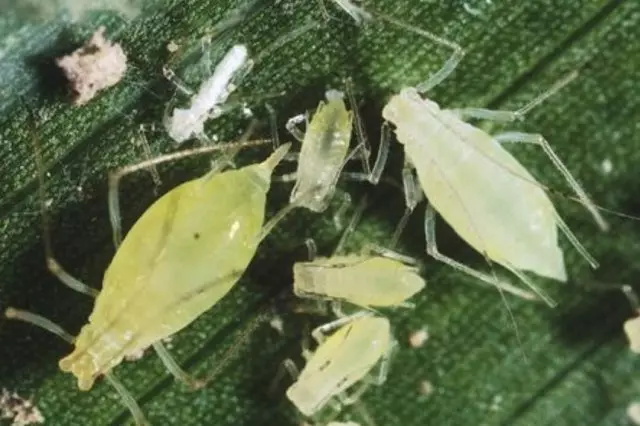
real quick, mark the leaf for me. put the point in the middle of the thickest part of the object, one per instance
(569, 365)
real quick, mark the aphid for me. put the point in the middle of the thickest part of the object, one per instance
(348, 356)
(209, 101)
(383, 279)
(476, 185)
(632, 325)
(185, 237)
(325, 151)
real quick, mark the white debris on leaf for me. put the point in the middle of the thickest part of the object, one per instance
(418, 338)
(20, 410)
(97, 65)
(426, 388)
(633, 412)
(607, 166)
(632, 330)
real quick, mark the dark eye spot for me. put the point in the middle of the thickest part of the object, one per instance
(196, 236)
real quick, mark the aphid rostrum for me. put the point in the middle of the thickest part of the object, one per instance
(184, 237)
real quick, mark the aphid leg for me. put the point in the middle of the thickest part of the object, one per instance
(52, 264)
(432, 250)
(292, 125)
(631, 295)
(450, 64)
(172, 366)
(45, 324)
(170, 75)
(363, 141)
(539, 140)
(373, 174)
(339, 214)
(412, 197)
(275, 135)
(116, 175)
(575, 242)
(312, 249)
(351, 226)
(146, 149)
(286, 367)
(356, 12)
(127, 399)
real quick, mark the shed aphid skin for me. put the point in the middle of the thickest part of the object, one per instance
(209, 102)
(325, 151)
(632, 325)
(341, 362)
(380, 279)
(476, 185)
(185, 236)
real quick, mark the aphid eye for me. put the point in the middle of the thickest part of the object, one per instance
(196, 236)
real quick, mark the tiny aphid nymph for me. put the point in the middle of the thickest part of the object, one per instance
(342, 361)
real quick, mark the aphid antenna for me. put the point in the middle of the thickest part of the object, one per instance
(48, 325)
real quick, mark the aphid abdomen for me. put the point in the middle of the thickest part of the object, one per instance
(365, 281)
(181, 256)
(478, 187)
(324, 151)
(340, 361)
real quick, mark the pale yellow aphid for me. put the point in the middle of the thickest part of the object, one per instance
(477, 186)
(384, 279)
(342, 360)
(183, 254)
(325, 151)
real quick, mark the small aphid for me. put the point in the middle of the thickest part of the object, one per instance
(185, 123)
(361, 342)
(477, 186)
(184, 237)
(96, 66)
(325, 151)
(387, 279)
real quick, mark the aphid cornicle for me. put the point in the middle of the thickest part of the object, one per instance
(476, 185)
(183, 254)
(325, 151)
(345, 358)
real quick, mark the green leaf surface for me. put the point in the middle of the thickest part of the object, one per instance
(564, 366)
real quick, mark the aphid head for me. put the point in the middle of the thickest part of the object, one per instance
(308, 399)
(306, 280)
(402, 107)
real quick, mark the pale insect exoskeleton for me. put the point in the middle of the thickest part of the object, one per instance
(210, 100)
(476, 185)
(325, 151)
(341, 362)
(379, 279)
(184, 237)
(632, 325)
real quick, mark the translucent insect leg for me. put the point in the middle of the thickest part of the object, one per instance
(432, 250)
(172, 366)
(41, 322)
(170, 75)
(312, 249)
(293, 122)
(115, 176)
(575, 242)
(412, 196)
(339, 214)
(374, 174)
(539, 140)
(631, 295)
(52, 264)
(146, 149)
(351, 226)
(356, 12)
(286, 367)
(319, 333)
(363, 141)
(450, 64)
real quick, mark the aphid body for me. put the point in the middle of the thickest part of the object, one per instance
(186, 123)
(478, 187)
(323, 154)
(343, 359)
(181, 256)
(367, 281)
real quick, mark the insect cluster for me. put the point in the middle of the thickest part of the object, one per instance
(204, 233)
